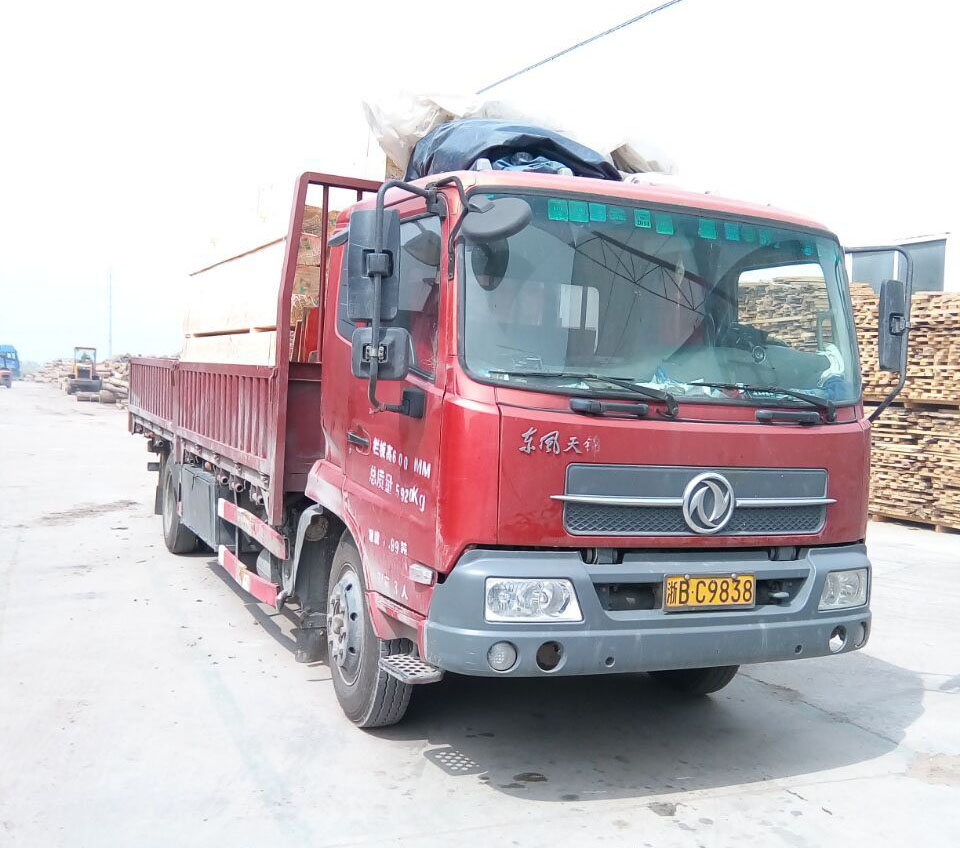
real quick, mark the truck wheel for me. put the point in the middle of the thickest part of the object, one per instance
(697, 681)
(179, 539)
(368, 695)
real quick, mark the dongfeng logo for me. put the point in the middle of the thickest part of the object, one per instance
(708, 503)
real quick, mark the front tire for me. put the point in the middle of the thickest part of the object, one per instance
(367, 694)
(697, 681)
(178, 538)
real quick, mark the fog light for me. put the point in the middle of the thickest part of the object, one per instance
(549, 655)
(837, 639)
(502, 656)
(530, 600)
(844, 589)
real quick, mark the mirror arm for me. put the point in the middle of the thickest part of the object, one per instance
(908, 284)
(465, 206)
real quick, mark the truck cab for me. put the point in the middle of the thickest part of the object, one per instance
(640, 443)
(9, 365)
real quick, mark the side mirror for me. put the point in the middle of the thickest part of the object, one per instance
(363, 260)
(392, 353)
(493, 220)
(892, 329)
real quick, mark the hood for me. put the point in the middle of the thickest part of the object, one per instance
(773, 475)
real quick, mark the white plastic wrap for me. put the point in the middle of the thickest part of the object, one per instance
(399, 121)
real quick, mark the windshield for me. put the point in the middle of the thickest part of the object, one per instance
(664, 299)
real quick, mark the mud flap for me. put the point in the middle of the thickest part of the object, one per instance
(311, 637)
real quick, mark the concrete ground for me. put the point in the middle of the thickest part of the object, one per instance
(144, 700)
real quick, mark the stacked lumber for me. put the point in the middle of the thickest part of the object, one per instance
(232, 315)
(933, 369)
(916, 442)
(915, 457)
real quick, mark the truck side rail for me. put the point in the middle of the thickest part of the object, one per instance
(220, 412)
(152, 392)
(230, 410)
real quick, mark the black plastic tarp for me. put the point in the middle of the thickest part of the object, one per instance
(456, 145)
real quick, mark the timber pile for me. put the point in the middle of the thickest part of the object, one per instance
(915, 457)
(933, 370)
(114, 375)
(915, 470)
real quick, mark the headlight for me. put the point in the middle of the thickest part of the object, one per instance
(844, 589)
(509, 599)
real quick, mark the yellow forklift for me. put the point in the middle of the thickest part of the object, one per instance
(84, 376)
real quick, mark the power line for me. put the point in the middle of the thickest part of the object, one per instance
(573, 47)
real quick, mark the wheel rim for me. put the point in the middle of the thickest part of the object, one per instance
(169, 504)
(345, 626)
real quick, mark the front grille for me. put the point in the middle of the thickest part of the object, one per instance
(600, 520)
(667, 484)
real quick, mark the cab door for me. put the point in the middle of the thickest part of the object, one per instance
(392, 459)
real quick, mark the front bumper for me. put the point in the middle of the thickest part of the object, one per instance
(457, 638)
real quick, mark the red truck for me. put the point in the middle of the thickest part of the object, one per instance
(538, 425)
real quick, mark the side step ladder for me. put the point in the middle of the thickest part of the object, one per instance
(409, 668)
(251, 582)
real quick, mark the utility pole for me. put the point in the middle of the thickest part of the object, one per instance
(110, 312)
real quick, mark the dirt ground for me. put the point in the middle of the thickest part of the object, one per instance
(145, 700)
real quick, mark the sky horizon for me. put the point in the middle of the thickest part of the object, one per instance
(149, 141)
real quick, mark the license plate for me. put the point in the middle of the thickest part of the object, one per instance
(709, 591)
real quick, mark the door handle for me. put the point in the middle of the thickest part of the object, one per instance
(357, 440)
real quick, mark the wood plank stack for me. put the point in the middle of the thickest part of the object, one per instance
(915, 472)
(914, 465)
(933, 370)
(232, 314)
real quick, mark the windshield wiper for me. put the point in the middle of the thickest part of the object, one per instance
(621, 382)
(828, 406)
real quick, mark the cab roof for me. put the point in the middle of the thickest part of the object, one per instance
(635, 192)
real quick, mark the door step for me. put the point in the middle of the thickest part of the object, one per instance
(408, 668)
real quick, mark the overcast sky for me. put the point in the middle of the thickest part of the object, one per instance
(147, 138)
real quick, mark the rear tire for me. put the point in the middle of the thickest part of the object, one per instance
(367, 694)
(178, 538)
(697, 681)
